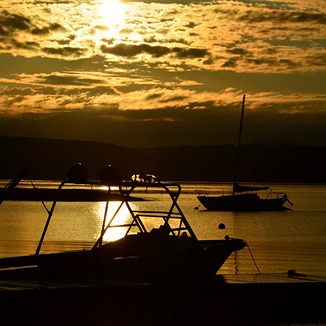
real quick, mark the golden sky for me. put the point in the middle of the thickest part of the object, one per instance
(163, 73)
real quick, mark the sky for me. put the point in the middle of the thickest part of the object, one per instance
(163, 73)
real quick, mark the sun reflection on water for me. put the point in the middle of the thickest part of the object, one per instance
(122, 217)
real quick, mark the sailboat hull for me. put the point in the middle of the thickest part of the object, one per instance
(242, 202)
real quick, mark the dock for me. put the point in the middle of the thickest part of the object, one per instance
(255, 299)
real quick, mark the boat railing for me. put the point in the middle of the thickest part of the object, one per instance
(173, 218)
(165, 218)
(108, 188)
(273, 194)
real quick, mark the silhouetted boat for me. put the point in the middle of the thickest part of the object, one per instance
(156, 244)
(244, 198)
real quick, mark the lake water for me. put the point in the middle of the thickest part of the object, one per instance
(278, 241)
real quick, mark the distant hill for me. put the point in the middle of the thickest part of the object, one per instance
(49, 159)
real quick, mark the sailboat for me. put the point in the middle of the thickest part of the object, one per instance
(245, 198)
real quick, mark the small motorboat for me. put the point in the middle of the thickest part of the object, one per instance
(156, 244)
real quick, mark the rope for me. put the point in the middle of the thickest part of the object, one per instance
(253, 259)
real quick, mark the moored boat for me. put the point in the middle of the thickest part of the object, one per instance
(156, 244)
(244, 198)
(249, 198)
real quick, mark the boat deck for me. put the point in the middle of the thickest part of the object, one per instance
(255, 299)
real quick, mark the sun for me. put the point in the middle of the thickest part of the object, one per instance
(112, 12)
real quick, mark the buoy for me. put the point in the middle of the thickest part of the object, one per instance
(221, 226)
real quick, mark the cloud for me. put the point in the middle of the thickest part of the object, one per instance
(278, 16)
(12, 23)
(66, 51)
(208, 31)
(131, 50)
(55, 27)
(182, 64)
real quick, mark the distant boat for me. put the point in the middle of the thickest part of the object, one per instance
(156, 244)
(245, 198)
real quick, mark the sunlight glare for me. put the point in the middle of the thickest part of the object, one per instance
(112, 12)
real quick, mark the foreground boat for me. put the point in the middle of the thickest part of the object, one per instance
(245, 198)
(156, 245)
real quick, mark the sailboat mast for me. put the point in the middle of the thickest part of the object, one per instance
(238, 146)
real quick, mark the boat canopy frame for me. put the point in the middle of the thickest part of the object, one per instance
(121, 192)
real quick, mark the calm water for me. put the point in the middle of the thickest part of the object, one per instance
(278, 241)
